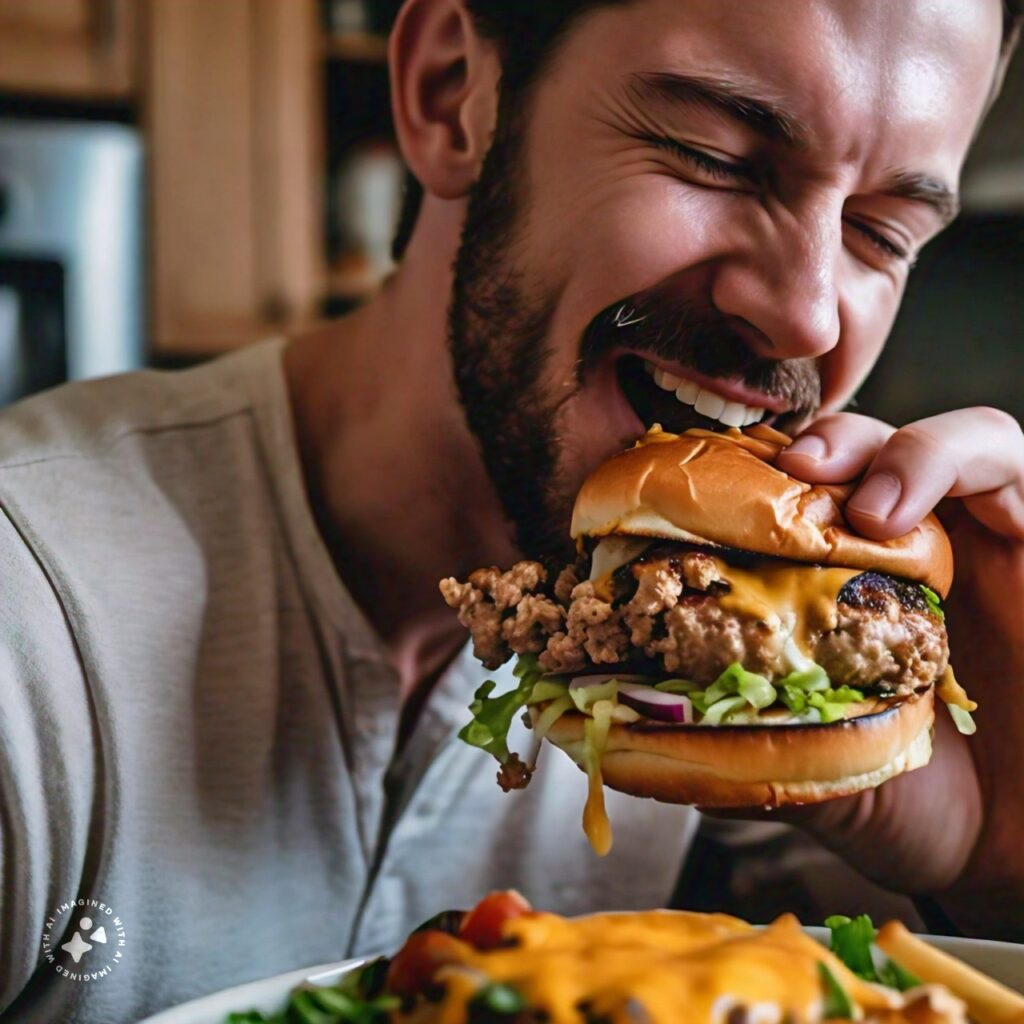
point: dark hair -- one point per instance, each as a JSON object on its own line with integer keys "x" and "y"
{"x": 528, "y": 32}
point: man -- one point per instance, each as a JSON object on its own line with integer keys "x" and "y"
{"x": 229, "y": 695}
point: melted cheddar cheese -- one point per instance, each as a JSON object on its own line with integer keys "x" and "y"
{"x": 951, "y": 692}
{"x": 653, "y": 966}
{"x": 805, "y": 595}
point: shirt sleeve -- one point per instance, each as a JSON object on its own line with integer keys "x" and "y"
{"x": 48, "y": 762}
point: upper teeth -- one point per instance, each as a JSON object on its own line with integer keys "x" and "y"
{"x": 707, "y": 403}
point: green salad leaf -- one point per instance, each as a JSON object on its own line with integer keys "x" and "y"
{"x": 495, "y": 1002}
{"x": 853, "y": 942}
{"x": 359, "y": 998}
{"x": 492, "y": 716}
{"x": 838, "y": 1004}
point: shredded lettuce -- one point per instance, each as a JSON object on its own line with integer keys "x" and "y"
{"x": 962, "y": 720}
{"x": 794, "y": 698}
{"x": 827, "y": 702}
{"x": 492, "y": 716}
{"x": 828, "y": 711}
{"x": 723, "y": 707}
{"x": 807, "y": 679}
{"x": 806, "y": 691}
{"x": 550, "y": 688}
{"x": 853, "y": 942}
{"x": 585, "y": 697}
{"x": 933, "y": 601}
{"x": 755, "y": 689}
{"x": 551, "y": 714}
{"x": 844, "y": 695}
{"x": 683, "y": 686}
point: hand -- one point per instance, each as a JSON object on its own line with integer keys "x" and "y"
{"x": 956, "y": 828}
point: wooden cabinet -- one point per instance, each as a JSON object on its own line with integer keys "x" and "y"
{"x": 233, "y": 123}
{"x": 228, "y": 96}
{"x": 73, "y": 49}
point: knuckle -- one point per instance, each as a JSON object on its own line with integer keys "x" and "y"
{"x": 997, "y": 420}
{"x": 919, "y": 439}
{"x": 853, "y": 425}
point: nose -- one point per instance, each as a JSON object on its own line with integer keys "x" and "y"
{"x": 783, "y": 283}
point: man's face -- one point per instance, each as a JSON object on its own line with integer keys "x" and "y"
{"x": 706, "y": 216}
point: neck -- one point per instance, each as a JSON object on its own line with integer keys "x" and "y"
{"x": 395, "y": 479}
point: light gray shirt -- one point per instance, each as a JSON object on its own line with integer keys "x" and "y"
{"x": 197, "y": 725}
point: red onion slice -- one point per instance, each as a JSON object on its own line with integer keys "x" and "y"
{"x": 652, "y": 703}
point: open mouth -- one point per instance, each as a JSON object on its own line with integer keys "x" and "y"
{"x": 679, "y": 404}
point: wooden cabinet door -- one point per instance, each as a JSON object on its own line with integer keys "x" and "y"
{"x": 76, "y": 49}
{"x": 233, "y": 122}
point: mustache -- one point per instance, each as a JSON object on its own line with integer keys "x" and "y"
{"x": 699, "y": 337}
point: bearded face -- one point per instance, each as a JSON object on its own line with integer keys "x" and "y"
{"x": 696, "y": 228}
{"x": 499, "y": 323}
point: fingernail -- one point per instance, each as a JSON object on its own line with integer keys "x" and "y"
{"x": 877, "y": 496}
{"x": 810, "y": 446}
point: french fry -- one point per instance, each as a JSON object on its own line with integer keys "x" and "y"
{"x": 987, "y": 1001}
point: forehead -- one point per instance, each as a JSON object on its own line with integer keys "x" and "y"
{"x": 894, "y": 80}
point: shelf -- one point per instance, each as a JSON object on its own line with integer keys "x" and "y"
{"x": 358, "y": 47}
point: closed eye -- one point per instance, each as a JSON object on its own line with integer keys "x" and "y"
{"x": 714, "y": 167}
{"x": 883, "y": 244}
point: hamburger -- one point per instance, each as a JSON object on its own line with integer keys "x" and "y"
{"x": 723, "y": 638}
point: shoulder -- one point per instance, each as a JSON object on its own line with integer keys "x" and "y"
{"x": 89, "y": 418}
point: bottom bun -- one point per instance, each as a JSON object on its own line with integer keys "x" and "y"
{"x": 752, "y": 765}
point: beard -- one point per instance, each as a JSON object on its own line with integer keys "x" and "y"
{"x": 498, "y": 324}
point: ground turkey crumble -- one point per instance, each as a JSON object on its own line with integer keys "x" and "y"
{"x": 666, "y": 608}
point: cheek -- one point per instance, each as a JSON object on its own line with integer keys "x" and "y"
{"x": 599, "y": 244}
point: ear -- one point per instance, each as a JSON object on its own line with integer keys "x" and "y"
{"x": 444, "y": 94}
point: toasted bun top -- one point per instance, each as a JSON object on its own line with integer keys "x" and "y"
{"x": 723, "y": 489}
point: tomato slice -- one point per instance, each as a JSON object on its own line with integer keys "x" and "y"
{"x": 482, "y": 926}
{"x": 415, "y": 963}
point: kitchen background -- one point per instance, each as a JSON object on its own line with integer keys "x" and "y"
{"x": 180, "y": 177}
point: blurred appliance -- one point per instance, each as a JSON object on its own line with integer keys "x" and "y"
{"x": 71, "y": 287}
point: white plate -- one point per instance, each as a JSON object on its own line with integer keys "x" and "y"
{"x": 1003, "y": 961}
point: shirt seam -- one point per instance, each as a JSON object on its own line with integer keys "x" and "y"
{"x": 105, "y": 447}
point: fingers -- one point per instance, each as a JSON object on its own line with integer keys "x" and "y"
{"x": 835, "y": 449}
{"x": 967, "y": 453}
{"x": 1001, "y": 511}
{"x": 976, "y": 454}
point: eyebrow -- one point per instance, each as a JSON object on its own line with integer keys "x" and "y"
{"x": 772, "y": 122}
{"x": 924, "y": 189}
{"x": 724, "y": 97}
